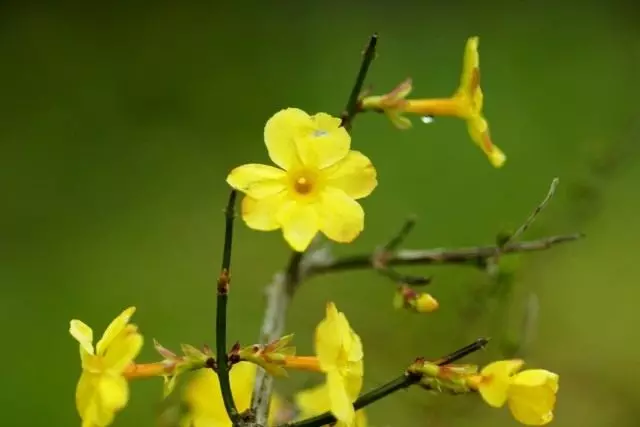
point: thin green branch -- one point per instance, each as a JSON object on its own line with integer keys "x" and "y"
{"x": 403, "y": 381}
{"x": 281, "y": 290}
{"x": 352, "y": 104}
{"x": 221, "y": 311}
{"x": 327, "y": 418}
{"x": 471, "y": 256}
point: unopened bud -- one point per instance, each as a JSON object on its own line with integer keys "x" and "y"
{"x": 425, "y": 303}
{"x": 420, "y": 302}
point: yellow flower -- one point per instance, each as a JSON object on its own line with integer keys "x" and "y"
{"x": 466, "y": 103}
{"x": 102, "y": 389}
{"x": 315, "y": 401}
{"x": 530, "y": 394}
{"x": 316, "y": 185}
{"x": 202, "y": 395}
{"x": 339, "y": 352}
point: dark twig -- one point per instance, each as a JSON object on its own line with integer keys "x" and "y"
{"x": 221, "y": 311}
{"x": 352, "y": 104}
{"x": 478, "y": 344}
{"x": 403, "y": 381}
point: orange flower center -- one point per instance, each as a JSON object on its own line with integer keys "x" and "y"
{"x": 303, "y": 185}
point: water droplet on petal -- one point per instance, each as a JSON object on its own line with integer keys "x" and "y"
{"x": 427, "y": 119}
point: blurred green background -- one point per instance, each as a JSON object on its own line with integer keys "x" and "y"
{"x": 120, "y": 121}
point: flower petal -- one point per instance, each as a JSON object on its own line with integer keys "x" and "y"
{"x": 114, "y": 329}
{"x": 355, "y": 349}
{"x": 86, "y": 394}
{"x": 328, "y": 339}
{"x": 262, "y": 214}
{"x": 353, "y": 379}
{"x": 341, "y": 403}
{"x": 355, "y": 175}
{"x": 313, "y": 401}
{"x": 532, "y": 396}
{"x": 114, "y": 392}
{"x": 202, "y": 394}
{"x": 326, "y": 144}
{"x": 242, "y": 376}
{"x": 83, "y": 334}
{"x": 122, "y": 350}
{"x": 341, "y": 217}
{"x": 496, "y": 379}
{"x": 281, "y": 132}
{"x": 479, "y": 131}
{"x": 299, "y": 222}
{"x": 471, "y": 62}
{"x": 257, "y": 181}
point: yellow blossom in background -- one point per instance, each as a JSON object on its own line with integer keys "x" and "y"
{"x": 530, "y": 394}
{"x": 315, "y": 401}
{"x": 340, "y": 355}
{"x": 466, "y": 103}
{"x": 202, "y": 396}
{"x": 102, "y": 389}
{"x": 315, "y": 186}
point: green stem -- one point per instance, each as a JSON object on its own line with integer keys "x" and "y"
{"x": 352, "y": 105}
{"x": 402, "y": 382}
{"x": 221, "y": 312}
{"x": 405, "y": 380}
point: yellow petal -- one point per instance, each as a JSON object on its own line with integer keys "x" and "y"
{"x": 123, "y": 350}
{"x": 262, "y": 214}
{"x": 328, "y": 339}
{"x": 326, "y": 144}
{"x": 313, "y": 401}
{"x": 114, "y": 392}
{"x": 341, "y": 217}
{"x": 355, "y": 175}
{"x": 83, "y": 334}
{"x": 299, "y": 222}
{"x": 242, "y": 376}
{"x": 353, "y": 379}
{"x": 202, "y": 395}
{"x": 479, "y": 131}
{"x": 341, "y": 403}
{"x": 257, "y": 181}
{"x": 86, "y": 394}
{"x": 114, "y": 329}
{"x": 471, "y": 62}
{"x": 532, "y": 396}
{"x": 495, "y": 382}
{"x": 355, "y": 349}
{"x": 281, "y": 132}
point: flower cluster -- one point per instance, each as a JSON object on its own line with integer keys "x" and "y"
{"x": 314, "y": 188}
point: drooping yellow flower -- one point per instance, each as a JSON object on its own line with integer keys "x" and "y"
{"x": 530, "y": 394}
{"x": 315, "y": 401}
{"x": 315, "y": 186}
{"x": 202, "y": 396}
{"x": 339, "y": 352}
{"x": 466, "y": 103}
{"x": 102, "y": 389}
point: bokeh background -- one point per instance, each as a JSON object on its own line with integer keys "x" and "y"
{"x": 119, "y": 122}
